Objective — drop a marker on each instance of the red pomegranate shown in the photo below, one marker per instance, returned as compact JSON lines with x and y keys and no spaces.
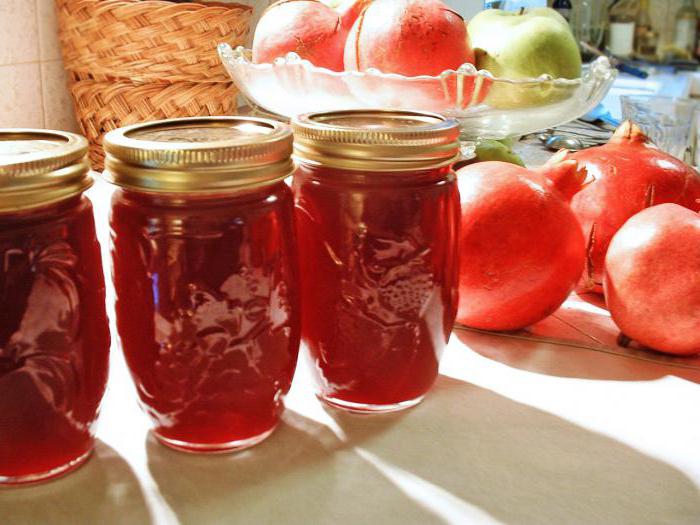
{"x":652,"y":279}
{"x":521,"y":248}
{"x":410,"y":37}
{"x":630,"y":174}
{"x":308,"y":27}
{"x":350,"y":11}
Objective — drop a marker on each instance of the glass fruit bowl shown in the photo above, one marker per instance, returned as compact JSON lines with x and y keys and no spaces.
{"x":486,"y":106}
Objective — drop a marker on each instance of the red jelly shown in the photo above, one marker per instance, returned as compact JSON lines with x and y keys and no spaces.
{"x":54,"y":334}
{"x":377,"y":215}
{"x":205,"y":274}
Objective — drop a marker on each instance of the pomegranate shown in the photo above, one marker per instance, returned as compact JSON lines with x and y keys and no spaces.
{"x":410,"y":37}
{"x":350,"y":11}
{"x":630,"y":174}
{"x":652,"y":279}
{"x":308,"y":27}
{"x":521,"y":248}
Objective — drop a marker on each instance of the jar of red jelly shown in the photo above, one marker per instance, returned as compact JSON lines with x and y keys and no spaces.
{"x":377,"y":219}
{"x":54,"y":334}
{"x":205,"y":275}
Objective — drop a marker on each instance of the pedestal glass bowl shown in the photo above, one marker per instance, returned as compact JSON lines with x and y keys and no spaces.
{"x":486,"y":106}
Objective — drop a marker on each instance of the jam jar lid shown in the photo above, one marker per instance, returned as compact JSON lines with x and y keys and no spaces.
{"x":376,"y":140}
{"x":199,"y":154}
{"x":40,"y":167}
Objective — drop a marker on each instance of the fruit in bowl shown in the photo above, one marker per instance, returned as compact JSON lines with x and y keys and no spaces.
{"x":525,"y":45}
{"x":408,"y":37}
{"x":414,"y":38}
{"x":308,"y":28}
{"x":418,"y":39}
{"x":416,"y":54}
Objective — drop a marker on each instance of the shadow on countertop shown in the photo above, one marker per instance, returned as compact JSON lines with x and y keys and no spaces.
{"x":301,"y":474}
{"x":104,"y":491}
{"x":466,"y":455}
{"x":582,"y":362}
{"x":467,"y":450}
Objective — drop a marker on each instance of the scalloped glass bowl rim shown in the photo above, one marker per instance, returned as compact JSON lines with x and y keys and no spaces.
{"x":242,"y":55}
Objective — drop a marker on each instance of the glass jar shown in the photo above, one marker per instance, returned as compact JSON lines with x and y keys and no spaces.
{"x":621,"y":28}
{"x":377,"y":222}
{"x":54,"y":334}
{"x":205,"y":275}
{"x":589,"y":19}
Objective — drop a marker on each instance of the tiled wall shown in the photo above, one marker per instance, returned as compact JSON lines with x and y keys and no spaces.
{"x":32,"y":80}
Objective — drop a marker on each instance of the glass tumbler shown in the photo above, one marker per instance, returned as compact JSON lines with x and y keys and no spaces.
{"x":669,"y":122}
{"x":589,"y":19}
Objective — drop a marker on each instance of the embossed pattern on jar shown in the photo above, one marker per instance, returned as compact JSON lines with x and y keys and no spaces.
{"x":54,"y":340}
{"x":205,"y":275}
{"x":378,"y":265}
{"x":207,"y":311}
{"x":377,"y":212}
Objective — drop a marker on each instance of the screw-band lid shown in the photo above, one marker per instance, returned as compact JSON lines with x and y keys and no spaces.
{"x":376,"y":140}
{"x":199,"y":154}
{"x":40,"y":167}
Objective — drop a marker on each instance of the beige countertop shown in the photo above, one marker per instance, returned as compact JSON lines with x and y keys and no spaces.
{"x":517,"y":431}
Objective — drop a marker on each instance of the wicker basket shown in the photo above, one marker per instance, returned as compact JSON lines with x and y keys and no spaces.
{"x":131,"y":61}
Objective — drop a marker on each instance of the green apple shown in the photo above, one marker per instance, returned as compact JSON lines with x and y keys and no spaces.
{"x":487,"y":149}
{"x":517,"y":45}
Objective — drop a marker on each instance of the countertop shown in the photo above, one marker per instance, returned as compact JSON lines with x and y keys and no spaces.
{"x":553,"y":426}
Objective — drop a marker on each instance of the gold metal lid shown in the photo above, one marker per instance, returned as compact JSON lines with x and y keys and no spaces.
{"x":199,"y":154}
{"x":376,"y":140}
{"x":40,"y":167}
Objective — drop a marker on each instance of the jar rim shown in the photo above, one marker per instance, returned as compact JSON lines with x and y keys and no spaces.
{"x":198,"y":154}
{"x":39,"y":167}
{"x":376,"y":139}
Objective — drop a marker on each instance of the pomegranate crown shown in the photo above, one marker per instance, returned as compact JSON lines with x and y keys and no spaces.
{"x":628,"y":131}
{"x":565,"y":175}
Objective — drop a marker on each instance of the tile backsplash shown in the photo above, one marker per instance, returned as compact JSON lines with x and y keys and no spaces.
{"x":33,"y":89}
{"x":33,"y":82}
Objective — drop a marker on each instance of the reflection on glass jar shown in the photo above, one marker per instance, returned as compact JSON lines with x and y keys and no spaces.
{"x":377,"y":216}
{"x":54,"y":334}
{"x":205,"y":274}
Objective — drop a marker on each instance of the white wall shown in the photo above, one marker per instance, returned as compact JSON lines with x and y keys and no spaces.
{"x":466,"y":8}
